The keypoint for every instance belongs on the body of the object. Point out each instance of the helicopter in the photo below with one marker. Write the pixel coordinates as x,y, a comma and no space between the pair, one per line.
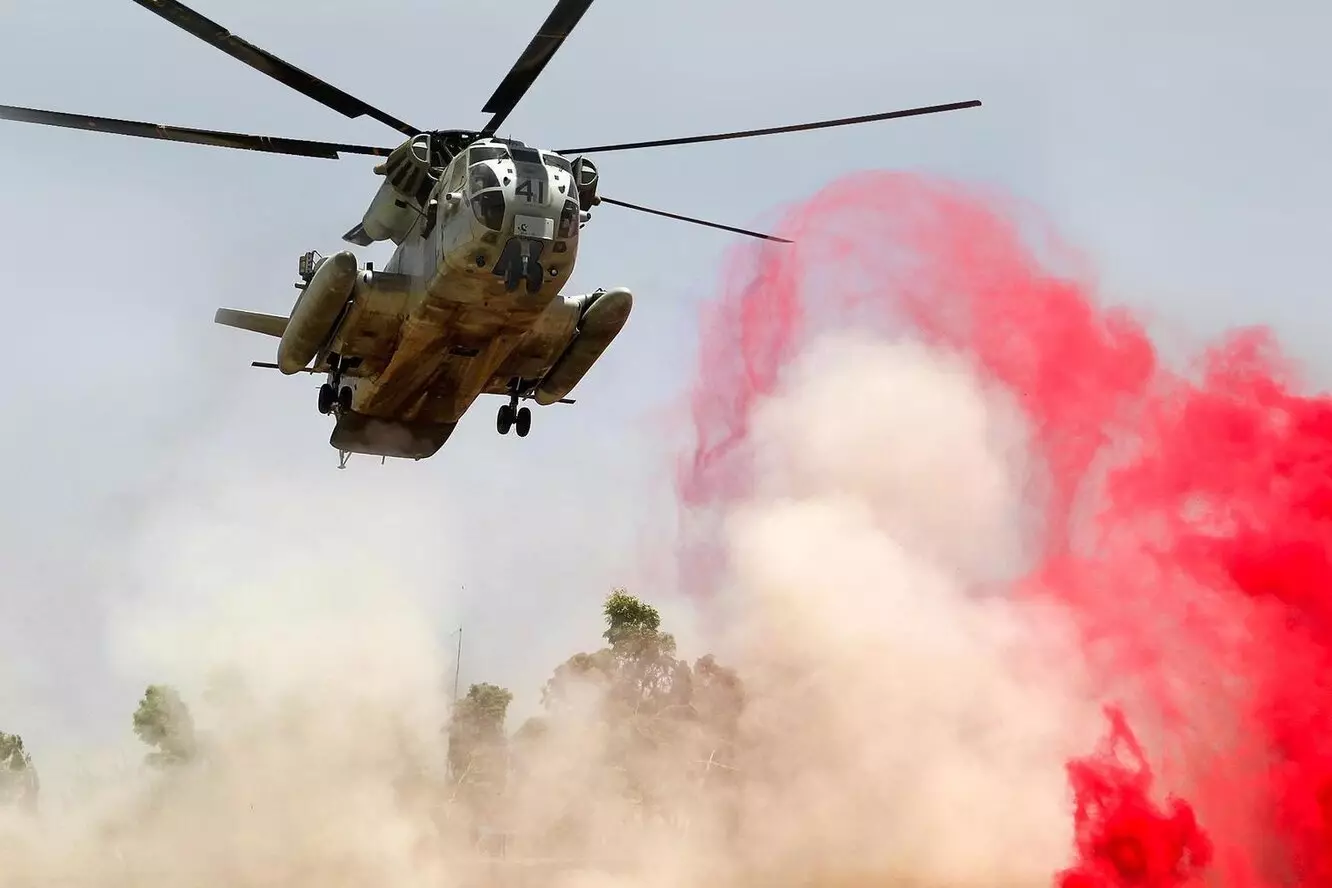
486,232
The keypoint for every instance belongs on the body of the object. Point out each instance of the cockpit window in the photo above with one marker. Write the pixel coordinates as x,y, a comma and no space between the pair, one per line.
480,178
487,152
525,155
559,163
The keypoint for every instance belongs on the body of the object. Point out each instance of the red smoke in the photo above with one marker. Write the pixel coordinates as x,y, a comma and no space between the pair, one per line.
1122,837
1188,511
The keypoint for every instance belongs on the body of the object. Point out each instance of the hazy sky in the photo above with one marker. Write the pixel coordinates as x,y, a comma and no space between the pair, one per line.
1182,146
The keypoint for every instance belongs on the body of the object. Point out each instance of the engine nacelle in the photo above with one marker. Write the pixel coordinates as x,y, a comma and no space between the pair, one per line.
585,180
410,166
601,322
390,216
409,173
316,311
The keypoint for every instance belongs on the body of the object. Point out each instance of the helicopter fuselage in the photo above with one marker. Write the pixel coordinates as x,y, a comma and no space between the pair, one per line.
486,234
470,303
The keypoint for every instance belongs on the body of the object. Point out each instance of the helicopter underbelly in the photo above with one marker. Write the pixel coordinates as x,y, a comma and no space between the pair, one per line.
451,343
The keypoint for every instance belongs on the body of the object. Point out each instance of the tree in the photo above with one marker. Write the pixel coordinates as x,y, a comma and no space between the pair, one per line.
659,734
637,690
718,702
476,733
163,721
718,699
18,777
596,670
647,676
478,755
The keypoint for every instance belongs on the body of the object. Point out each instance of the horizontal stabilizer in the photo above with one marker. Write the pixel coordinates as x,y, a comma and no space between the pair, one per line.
269,325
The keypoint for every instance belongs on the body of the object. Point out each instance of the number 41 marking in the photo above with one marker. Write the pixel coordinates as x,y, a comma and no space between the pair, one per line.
534,190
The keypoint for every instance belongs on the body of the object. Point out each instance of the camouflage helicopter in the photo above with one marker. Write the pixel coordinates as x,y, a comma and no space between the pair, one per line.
486,230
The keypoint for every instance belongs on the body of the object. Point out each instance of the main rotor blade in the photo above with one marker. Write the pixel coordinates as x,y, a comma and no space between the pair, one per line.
270,144
757,234
746,134
261,60
549,37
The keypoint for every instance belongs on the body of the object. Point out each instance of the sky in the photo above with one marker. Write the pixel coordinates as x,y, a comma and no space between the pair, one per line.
147,469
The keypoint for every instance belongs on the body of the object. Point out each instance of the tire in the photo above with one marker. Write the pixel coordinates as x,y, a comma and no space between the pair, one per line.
523,422
504,421
326,399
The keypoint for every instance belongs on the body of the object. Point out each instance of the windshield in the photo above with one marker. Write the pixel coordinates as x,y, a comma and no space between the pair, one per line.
481,153
560,163
525,155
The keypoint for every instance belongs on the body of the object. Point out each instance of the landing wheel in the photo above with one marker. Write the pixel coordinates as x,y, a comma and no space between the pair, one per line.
523,422
345,398
535,277
326,399
505,420
513,276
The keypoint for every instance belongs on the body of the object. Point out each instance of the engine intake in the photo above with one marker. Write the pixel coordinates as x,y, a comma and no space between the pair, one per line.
585,180
408,168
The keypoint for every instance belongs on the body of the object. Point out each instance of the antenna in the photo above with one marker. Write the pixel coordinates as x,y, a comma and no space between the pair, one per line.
457,667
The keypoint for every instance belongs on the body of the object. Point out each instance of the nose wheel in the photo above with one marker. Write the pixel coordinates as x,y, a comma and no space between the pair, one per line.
511,416
520,263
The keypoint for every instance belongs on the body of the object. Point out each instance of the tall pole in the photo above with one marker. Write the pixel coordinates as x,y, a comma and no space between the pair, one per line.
457,667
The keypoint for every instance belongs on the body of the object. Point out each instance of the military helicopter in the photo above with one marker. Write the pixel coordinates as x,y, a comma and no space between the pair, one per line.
486,232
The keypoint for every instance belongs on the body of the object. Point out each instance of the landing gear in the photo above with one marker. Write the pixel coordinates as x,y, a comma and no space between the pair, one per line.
512,417
514,273
333,394
520,262
326,399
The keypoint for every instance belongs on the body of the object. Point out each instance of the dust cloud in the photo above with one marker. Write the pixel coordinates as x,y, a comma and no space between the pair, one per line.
913,728
902,725
905,720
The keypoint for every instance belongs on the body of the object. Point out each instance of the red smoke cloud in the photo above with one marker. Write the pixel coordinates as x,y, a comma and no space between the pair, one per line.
1187,507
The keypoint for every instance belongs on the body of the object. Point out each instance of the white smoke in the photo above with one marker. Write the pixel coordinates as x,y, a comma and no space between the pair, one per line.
914,727
905,723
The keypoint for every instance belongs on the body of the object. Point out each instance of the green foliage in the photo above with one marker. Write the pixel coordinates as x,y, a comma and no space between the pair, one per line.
18,776
633,625
163,721
486,705
596,670
638,672
660,716
477,736
648,676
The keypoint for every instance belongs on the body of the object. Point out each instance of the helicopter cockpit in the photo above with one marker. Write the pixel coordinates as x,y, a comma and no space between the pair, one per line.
483,185
485,163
